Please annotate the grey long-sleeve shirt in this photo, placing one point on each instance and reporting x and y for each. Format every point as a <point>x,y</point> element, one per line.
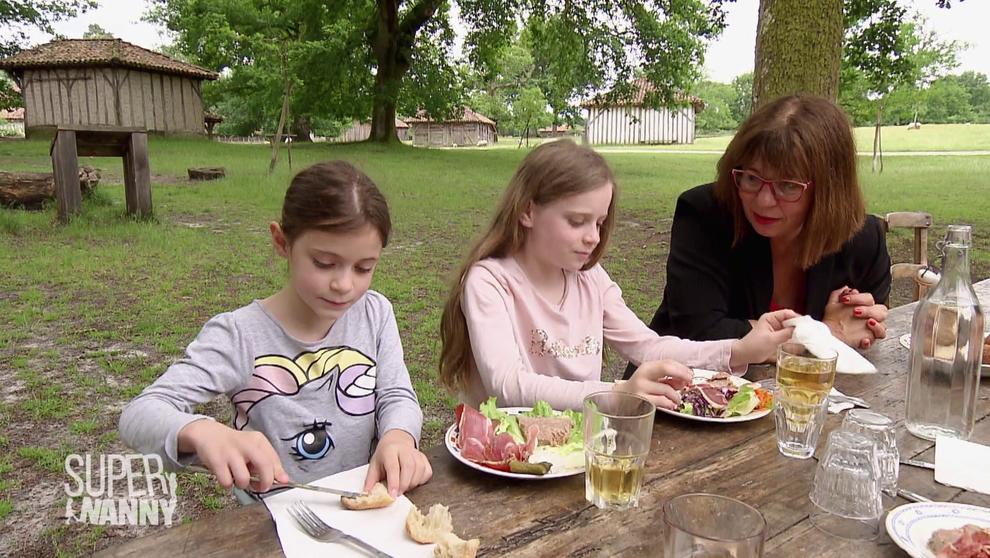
<point>322,405</point>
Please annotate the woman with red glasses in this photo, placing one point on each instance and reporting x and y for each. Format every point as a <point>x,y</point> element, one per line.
<point>783,226</point>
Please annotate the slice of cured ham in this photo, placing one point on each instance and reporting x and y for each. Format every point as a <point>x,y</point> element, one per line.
<point>478,443</point>
<point>968,541</point>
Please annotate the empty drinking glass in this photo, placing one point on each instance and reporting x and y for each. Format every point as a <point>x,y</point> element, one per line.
<point>799,425</point>
<point>881,430</point>
<point>708,525</point>
<point>846,490</point>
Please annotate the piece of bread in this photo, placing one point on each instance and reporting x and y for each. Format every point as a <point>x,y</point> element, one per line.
<point>452,546</point>
<point>429,528</point>
<point>377,498</point>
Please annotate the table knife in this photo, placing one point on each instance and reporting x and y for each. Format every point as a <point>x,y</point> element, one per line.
<point>843,398</point>
<point>918,463</point>
<point>276,484</point>
<point>912,496</point>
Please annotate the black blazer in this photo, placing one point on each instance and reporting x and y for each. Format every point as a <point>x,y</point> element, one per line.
<point>713,288</point>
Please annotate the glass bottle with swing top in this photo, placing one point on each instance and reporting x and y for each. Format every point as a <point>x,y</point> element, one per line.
<point>946,348</point>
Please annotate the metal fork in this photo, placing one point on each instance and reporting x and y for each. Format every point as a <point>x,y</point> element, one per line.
<point>319,530</point>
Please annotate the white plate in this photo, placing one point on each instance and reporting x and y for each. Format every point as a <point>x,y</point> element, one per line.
<point>706,375</point>
<point>450,440</point>
<point>911,526</point>
<point>905,341</point>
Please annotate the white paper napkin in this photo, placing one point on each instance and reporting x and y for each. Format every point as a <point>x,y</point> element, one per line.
<point>384,528</point>
<point>962,464</point>
<point>814,334</point>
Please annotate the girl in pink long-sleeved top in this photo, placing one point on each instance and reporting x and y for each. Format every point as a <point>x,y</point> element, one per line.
<point>532,308</point>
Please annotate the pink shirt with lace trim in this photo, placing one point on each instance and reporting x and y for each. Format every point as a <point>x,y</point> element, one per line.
<point>527,349</point>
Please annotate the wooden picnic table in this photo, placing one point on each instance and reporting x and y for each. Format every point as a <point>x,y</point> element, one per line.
<point>552,518</point>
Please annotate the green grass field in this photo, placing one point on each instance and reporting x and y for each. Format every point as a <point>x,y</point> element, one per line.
<point>930,137</point>
<point>97,309</point>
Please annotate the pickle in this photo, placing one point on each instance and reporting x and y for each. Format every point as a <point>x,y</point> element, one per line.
<point>528,468</point>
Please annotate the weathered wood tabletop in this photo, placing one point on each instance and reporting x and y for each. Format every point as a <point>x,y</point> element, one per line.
<point>552,518</point>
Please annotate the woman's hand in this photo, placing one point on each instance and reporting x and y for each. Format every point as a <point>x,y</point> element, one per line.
<point>398,462</point>
<point>659,381</point>
<point>233,455</point>
<point>760,344</point>
<point>854,317</point>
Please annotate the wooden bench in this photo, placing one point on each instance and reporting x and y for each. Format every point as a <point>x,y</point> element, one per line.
<point>131,144</point>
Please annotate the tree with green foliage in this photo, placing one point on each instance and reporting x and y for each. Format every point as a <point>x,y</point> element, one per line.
<point>357,57</point>
<point>885,52</point>
<point>799,44</point>
<point>496,92</point>
<point>978,90</point>
<point>717,116</point>
<point>17,17</point>
<point>875,56</point>
<point>947,101</point>
<point>530,111</point>
<point>743,103</point>
<point>272,55</point>
<point>9,97</point>
<point>94,31</point>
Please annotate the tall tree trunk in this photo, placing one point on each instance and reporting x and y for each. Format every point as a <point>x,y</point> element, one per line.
<point>798,49</point>
<point>392,42</point>
<point>387,83</point>
<point>301,128</point>
<point>877,146</point>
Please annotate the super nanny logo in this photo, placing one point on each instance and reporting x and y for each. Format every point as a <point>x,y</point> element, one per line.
<point>119,489</point>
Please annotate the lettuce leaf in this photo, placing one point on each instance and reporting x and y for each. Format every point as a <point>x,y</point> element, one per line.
<point>504,422</point>
<point>743,402</point>
<point>541,409</point>
<point>577,428</point>
<point>489,409</point>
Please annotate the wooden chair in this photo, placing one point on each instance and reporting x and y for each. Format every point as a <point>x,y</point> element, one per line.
<point>920,223</point>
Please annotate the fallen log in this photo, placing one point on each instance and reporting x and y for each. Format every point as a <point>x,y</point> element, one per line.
<point>30,190</point>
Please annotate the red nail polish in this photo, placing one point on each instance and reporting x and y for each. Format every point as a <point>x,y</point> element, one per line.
<point>845,299</point>
<point>858,311</point>
<point>866,344</point>
<point>872,322</point>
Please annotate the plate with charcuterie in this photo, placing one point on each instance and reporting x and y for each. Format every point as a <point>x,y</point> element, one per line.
<point>722,397</point>
<point>518,442</point>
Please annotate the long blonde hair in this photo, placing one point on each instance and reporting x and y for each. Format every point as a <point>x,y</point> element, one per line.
<point>550,172</point>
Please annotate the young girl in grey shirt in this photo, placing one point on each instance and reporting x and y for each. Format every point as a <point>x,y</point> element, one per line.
<point>315,372</point>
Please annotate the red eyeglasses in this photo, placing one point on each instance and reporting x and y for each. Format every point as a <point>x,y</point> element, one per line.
<point>782,190</point>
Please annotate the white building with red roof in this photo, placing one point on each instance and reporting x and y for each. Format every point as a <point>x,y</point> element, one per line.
<point>630,119</point>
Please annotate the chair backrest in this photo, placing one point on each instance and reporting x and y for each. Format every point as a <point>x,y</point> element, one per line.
<point>920,223</point>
